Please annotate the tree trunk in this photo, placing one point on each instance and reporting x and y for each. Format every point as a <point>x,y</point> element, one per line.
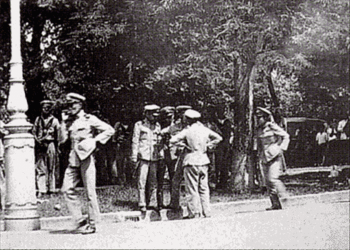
<point>242,167</point>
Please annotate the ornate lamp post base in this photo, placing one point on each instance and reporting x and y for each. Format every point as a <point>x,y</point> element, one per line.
<point>21,209</point>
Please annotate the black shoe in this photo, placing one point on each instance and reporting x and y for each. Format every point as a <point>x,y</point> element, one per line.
<point>275,201</point>
<point>41,196</point>
<point>273,208</point>
<point>196,216</point>
<point>87,229</point>
<point>81,223</point>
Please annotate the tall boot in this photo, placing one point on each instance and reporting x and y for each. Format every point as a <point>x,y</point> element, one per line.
<point>275,201</point>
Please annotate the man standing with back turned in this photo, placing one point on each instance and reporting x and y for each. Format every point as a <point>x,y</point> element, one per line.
<point>197,139</point>
<point>83,130</point>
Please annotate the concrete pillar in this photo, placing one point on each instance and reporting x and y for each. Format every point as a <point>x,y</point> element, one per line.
<point>20,208</point>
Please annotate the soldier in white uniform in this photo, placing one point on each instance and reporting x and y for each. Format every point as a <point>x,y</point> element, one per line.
<point>83,130</point>
<point>196,139</point>
<point>146,156</point>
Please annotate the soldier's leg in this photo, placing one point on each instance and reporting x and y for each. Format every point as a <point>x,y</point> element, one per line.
<point>171,169</point>
<point>128,171</point>
<point>70,182</point>
<point>88,174</point>
<point>112,163</point>
<point>41,170</point>
<point>175,187</point>
<point>275,185</point>
<point>142,181</point>
<point>120,168</point>
<point>152,184</point>
<point>219,166</point>
<point>225,162</point>
<point>160,180</point>
<point>191,174</point>
<point>51,164</point>
<point>204,190</point>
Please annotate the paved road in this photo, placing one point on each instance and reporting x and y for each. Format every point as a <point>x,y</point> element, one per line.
<point>313,226</point>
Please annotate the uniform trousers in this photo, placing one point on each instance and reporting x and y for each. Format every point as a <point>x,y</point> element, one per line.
<point>176,182</point>
<point>272,172</point>
<point>223,158</point>
<point>87,173</point>
<point>197,190</point>
<point>46,169</point>
<point>148,183</point>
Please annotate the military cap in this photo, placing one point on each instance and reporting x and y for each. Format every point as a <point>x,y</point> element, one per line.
<point>193,114</point>
<point>151,107</point>
<point>74,97</point>
<point>168,110</point>
<point>49,102</point>
<point>183,107</point>
<point>263,110</point>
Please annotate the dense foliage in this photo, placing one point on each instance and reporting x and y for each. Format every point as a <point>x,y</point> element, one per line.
<point>236,54</point>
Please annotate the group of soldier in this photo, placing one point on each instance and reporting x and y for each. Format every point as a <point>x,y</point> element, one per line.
<point>176,140</point>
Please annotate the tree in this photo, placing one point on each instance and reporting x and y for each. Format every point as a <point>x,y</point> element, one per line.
<point>321,36</point>
<point>219,50</point>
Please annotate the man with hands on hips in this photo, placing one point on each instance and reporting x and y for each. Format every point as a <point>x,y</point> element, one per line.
<point>83,130</point>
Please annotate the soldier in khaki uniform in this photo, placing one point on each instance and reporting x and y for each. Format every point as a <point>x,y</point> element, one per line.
<point>272,142</point>
<point>147,156</point>
<point>176,155</point>
<point>83,130</point>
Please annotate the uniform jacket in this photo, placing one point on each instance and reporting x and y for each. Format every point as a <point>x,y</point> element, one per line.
<point>146,142</point>
<point>272,141</point>
<point>46,131</point>
<point>122,136</point>
<point>83,132</point>
<point>172,130</point>
<point>197,139</point>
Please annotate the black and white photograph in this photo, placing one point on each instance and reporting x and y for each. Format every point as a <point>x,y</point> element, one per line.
<point>174,124</point>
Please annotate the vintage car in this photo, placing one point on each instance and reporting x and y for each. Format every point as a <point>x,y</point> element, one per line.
<point>302,148</point>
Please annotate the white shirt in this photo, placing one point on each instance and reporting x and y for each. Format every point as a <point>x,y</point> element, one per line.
<point>196,138</point>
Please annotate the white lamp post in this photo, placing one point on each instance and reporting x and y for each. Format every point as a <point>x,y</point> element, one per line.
<point>20,209</point>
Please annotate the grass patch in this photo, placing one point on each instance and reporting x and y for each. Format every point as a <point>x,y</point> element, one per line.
<point>124,198</point>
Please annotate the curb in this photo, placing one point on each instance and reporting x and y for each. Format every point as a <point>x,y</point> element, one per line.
<point>218,210</point>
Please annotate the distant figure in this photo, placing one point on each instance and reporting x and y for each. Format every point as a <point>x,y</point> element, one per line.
<point>196,139</point>
<point>343,155</point>
<point>122,142</point>
<point>332,132</point>
<point>332,144</point>
<point>209,121</point>
<point>146,157</point>
<point>272,142</point>
<point>84,131</point>
<point>321,147</point>
<point>46,131</point>
<point>223,153</point>
<point>343,129</point>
